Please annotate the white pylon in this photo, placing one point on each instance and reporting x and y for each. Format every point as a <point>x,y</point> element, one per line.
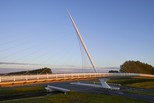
<point>82,41</point>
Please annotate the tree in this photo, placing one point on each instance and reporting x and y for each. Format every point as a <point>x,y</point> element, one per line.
<point>44,70</point>
<point>136,67</point>
<point>113,71</point>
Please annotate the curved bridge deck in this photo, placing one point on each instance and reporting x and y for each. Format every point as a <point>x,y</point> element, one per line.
<point>15,80</point>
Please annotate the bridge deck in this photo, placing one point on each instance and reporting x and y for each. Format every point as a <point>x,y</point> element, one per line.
<point>14,80</point>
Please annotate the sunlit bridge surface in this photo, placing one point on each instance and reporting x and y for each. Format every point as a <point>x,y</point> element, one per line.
<point>15,80</point>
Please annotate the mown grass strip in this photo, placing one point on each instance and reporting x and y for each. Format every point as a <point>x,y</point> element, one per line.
<point>141,92</point>
<point>17,90</point>
<point>138,83</point>
<point>73,97</point>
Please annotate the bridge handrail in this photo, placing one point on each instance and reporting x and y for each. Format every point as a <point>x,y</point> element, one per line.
<point>68,75</point>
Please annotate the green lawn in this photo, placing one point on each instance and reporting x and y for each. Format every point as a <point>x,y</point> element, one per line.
<point>73,97</point>
<point>138,83</point>
<point>149,85</point>
<point>141,92</point>
<point>17,90</point>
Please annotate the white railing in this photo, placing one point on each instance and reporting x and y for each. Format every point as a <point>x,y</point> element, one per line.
<point>14,78</point>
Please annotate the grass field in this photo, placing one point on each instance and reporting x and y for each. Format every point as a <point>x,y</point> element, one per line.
<point>141,92</point>
<point>18,90</point>
<point>149,85</point>
<point>138,83</point>
<point>73,97</point>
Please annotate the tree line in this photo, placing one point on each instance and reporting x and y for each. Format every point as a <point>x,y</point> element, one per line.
<point>136,67</point>
<point>44,70</point>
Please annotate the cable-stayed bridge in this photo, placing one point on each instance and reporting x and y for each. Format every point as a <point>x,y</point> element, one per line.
<point>48,78</point>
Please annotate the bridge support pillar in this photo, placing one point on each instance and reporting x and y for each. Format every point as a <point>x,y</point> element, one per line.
<point>104,84</point>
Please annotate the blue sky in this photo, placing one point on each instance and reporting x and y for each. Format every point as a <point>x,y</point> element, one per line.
<point>40,31</point>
